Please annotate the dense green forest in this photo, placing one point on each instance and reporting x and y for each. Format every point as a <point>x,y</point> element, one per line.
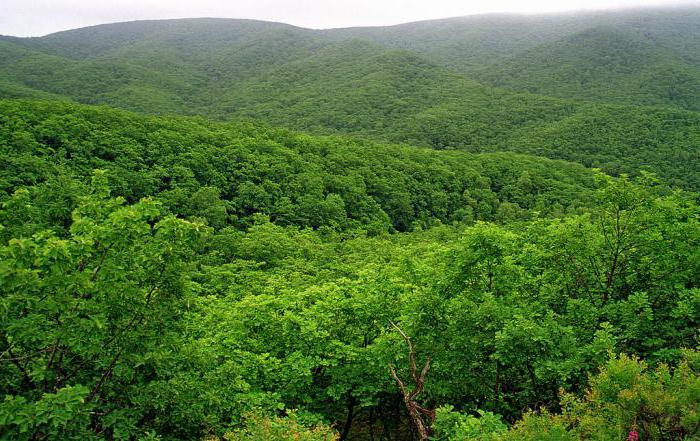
<point>337,84</point>
<point>483,228</point>
<point>636,56</point>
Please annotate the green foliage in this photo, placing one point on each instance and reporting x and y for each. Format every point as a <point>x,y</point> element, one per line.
<point>56,415</point>
<point>625,397</point>
<point>606,64</point>
<point>482,44</point>
<point>226,174</point>
<point>258,428</point>
<point>450,425</point>
<point>85,312</point>
<point>415,83</point>
<point>124,316</point>
<point>173,277</point>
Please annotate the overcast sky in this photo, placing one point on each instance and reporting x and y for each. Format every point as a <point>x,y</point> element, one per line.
<point>40,17</point>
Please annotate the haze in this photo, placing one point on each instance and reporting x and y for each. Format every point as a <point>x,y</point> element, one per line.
<point>40,17</point>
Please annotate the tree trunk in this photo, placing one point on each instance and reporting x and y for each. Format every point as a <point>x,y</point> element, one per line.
<point>349,418</point>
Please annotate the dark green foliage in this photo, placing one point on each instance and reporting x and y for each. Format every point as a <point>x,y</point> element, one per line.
<point>602,64</point>
<point>635,56</point>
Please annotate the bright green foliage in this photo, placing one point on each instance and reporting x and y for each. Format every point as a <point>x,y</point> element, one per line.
<point>124,316</point>
<point>450,425</point>
<point>173,277</point>
<point>513,316</point>
<point>85,315</point>
<point>61,414</point>
<point>258,428</point>
<point>625,397</point>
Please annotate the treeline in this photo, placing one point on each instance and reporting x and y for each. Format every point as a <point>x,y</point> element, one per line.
<point>153,288</point>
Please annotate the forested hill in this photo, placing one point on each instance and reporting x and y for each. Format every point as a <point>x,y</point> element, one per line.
<point>175,278</point>
<point>248,170</point>
<point>638,56</point>
<point>216,229</point>
<point>603,63</point>
<point>652,54</point>
<point>323,82</point>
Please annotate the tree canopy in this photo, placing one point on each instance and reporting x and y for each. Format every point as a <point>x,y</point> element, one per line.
<point>482,228</point>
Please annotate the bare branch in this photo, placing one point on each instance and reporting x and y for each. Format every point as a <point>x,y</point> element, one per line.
<point>416,412</point>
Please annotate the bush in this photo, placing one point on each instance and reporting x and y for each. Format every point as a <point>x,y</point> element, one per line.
<point>264,428</point>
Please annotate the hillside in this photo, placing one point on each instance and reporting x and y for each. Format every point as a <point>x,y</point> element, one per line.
<point>602,64</point>
<point>639,56</point>
<point>257,170</point>
<point>473,41</point>
<point>533,49</point>
<point>305,80</point>
<point>156,66</point>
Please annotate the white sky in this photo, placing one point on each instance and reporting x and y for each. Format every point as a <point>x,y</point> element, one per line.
<point>40,17</point>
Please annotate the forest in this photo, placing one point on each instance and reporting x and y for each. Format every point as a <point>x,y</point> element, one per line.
<point>483,228</point>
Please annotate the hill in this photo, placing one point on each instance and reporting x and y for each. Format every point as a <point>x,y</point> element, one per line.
<point>305,80</point>
<point>635,56</point>
<point>603,64</point>
<point>151,66</point>
<point>294,179</point>
<point>552,53</point>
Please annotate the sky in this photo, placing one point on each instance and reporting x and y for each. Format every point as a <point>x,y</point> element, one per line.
<point>40,17</point>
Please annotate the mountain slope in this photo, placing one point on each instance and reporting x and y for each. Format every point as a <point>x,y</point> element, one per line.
<point>573,55</point>
<point>305,80</point>
<point>467,43</point>
<point>295,179</point>
<point>171,62</point>
<point>526,53</point>
<point>603,64</point>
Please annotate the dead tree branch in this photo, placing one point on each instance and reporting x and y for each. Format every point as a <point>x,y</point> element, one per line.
<point>421,418</point>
